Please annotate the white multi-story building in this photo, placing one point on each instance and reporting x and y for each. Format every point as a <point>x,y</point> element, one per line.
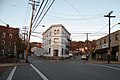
<point>56,41</point>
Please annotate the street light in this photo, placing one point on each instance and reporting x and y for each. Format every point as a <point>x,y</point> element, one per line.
<point>33,29</point>
<point>42,25</point>
<point>114,25</point>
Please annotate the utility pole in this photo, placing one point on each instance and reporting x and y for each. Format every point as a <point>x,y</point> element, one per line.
<point>87,39</point>
<point>30,30</point>
<point>25,34</point>
<point>109,50</point>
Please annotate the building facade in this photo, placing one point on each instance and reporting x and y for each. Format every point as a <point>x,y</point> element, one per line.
<point>8,40</point>
<point>56,41</point>
<point>36,48</point>
<point>102,46</point>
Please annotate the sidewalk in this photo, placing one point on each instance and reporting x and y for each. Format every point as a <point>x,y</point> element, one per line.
<point>103,62</point>
<point>21,62</point>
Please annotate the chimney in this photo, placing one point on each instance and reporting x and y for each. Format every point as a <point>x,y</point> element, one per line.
<point>7,25</point>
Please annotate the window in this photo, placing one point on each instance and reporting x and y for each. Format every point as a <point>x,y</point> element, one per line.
<point>50,41</point>
<point>3,42</point>
<point>104,41</point>
<point>9,43</point>
<point>3,35</point>
<point>2,51</point>
<point>49,51</point>
<point>50,33</point>
<point>10,36</point>
<point>56,40</point>
<point>97,45</point>
<point>63,41</point>
<point>54,31</point>
<point>58,31</point>
<point>116,37</point>
<point>63,33</point>
<point>100,42</point>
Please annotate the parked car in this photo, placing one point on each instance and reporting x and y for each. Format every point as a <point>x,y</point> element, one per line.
<point>83,57</point>
<point>70,55</point>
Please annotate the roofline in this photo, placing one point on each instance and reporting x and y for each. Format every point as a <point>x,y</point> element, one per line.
<point>8,27</point>
<point>108,34</point>
<point>55,26</point>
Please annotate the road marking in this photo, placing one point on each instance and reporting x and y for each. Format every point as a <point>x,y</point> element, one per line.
<point>108,67</point>
<point>44,78</point>
<point>11,73</point>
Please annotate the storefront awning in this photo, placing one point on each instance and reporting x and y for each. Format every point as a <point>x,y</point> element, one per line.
<point>104,50</point>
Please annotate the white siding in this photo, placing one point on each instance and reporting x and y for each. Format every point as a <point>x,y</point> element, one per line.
<point>55,40</point>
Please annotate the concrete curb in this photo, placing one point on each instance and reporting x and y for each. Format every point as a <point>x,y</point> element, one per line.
<point>12,64</point>
<point>103,62</point>
<point>22,62</point>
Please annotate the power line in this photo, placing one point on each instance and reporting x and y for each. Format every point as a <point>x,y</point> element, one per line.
<point>27,10</point>
<point>79,13</point>
<point>72,18</point>
<point>58,13</point>
<point>38,11</point>
<point>43,15</point>
<point>96,10</point>
<point>40,14</point>
<point>3,22</point>
<point>102,28</point>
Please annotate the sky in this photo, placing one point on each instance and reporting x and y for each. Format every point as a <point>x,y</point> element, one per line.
<point>77,16</point>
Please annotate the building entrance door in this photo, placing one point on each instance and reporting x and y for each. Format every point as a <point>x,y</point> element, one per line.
<point>55,52</point>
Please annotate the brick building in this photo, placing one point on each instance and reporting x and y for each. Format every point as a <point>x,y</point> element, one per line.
<point>8,40</point>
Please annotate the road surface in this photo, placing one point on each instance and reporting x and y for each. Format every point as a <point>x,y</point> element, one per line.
<point>73,69</point>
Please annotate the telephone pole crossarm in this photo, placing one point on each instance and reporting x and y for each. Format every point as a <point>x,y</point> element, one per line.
<point>109,16</point>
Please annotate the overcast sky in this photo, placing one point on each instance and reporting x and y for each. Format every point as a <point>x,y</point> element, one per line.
<point>78,16</point>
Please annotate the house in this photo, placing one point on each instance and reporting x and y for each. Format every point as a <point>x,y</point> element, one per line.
<point>37,51</point>
<point>56,42</point>
<point>102,46</point>
<point>8,40</point>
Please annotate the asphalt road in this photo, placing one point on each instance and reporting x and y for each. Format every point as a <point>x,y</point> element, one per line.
<point>73,69</point>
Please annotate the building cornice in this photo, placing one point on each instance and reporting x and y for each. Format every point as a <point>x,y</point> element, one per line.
<point>55,25</point>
